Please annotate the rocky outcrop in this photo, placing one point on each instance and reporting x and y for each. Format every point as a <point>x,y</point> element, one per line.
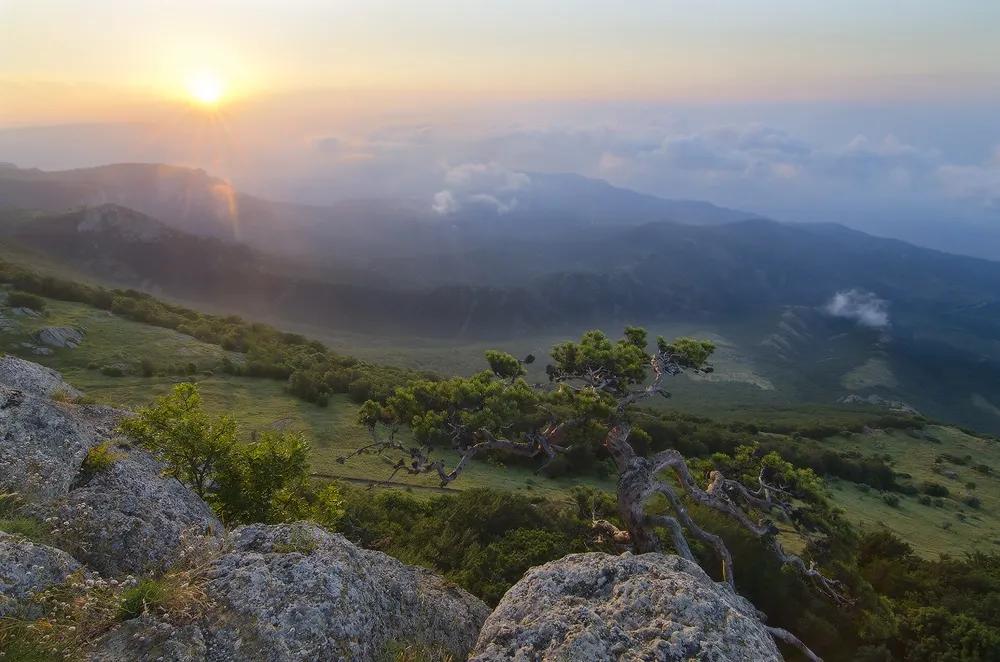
<point>27,568</point>
<point>128,518</point>
<point>600,607</point>
<point>59,336</point>
<point>876,400</point>
<point>299,592</point>
<point>32,378</point>
<point>42,442</point>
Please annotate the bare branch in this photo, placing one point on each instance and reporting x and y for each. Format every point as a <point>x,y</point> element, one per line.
<point>789,638</point>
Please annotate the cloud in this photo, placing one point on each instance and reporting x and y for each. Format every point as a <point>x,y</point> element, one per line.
<point>485,185</point>
<point>865,308</point>
<point>444,203</point>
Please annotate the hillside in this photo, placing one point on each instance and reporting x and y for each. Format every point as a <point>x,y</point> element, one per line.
<point>761,287</point>
<point>121,345</point>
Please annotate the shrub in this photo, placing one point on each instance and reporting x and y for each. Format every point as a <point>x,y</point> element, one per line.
<point>972,501</point>
<point>149,595</point>
<point>17,299</point>
<point>891,499</point>
<point>112,371</point>
<point>934,489</point>
<point>924,500</point>
<point>100,458</point>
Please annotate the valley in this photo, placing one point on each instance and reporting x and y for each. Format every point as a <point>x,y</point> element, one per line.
<point>734,394</point>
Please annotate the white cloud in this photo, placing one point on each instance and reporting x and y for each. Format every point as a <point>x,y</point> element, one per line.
<point>488,185</point>
<point>865,308</point>
<point>444,203</point>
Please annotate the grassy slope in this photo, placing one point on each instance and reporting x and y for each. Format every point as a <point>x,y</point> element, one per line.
<point>951,529</point>
<point>333,431</point>
<point>257,403</point>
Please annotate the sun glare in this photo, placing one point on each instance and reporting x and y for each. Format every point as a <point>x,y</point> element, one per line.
<point>205,88</point>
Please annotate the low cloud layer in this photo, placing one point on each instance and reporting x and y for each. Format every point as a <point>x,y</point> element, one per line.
<point>484,185</point>
<point>864,308</point>
<point>874,169</point>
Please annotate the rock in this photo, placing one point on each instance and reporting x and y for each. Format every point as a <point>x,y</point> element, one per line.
<point>42,442</point>
<point>149,638</point>
<point>26,312</point>
<point>32,378</point>
<point>299,592</point>
<point>126,519</point>
<point>59,336</point>
<point>875,400</point>
<point>27,568</point>
<point>601,607</point>
<point>129,518</point>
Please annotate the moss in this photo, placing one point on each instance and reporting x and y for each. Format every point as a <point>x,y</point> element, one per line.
<point>100,458</point>
<point>147,595</point>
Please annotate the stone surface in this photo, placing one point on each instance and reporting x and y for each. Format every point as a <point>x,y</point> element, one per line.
<point>126,519</point>
<point>601,607</point>
<point>32,378</point>
<point>27,568</point>
<point>299,592</point>
<point>42,442</point>
<point>129,518</point>
<point>59,336</point>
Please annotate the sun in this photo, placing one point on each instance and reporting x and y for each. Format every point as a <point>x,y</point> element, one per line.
<point>205,88</point>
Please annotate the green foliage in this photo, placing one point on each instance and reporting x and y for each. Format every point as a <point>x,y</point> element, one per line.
<point>100,458</point>
<point>270,353</point>
<point>149,595</point>
<point>17,299</point>
<point>252,476</point>
<point>934,489</point>
<point>688,352</point>
<point>948,609</point>
<point>265,479</point>
<point>504,365</point>
<point>483,540</point>
<point>624,362</point>
<point>178,431</point>
<point>12,522</point>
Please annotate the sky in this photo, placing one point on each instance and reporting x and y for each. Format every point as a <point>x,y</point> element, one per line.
<point>876,111</point>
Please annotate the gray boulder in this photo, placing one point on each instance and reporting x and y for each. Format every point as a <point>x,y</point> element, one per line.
<point>129,518</point>
<point>27,568</point>
<point>32,378</point>
<point>601,607</point>
<point>299,592</point>
<point>126,519</point>
<point>43,443</point>
<point>59,336</point>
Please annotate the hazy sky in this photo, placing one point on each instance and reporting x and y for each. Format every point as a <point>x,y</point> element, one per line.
<point>680,49</point>
<point>803,109</point>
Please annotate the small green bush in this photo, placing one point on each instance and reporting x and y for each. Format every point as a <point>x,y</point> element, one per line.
<point>17,299</point>
<point>100,458</point>
<point>891,499</point>
<point>147,595</point>
<point>934,489</point>
<point>112,371</point>
<point>972,501</point>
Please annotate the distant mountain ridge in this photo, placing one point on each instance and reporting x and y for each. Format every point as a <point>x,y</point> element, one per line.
<point>525,274</point>
<point>196,202</point>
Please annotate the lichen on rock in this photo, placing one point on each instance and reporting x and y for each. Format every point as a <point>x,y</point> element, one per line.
<point>631,607</point>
